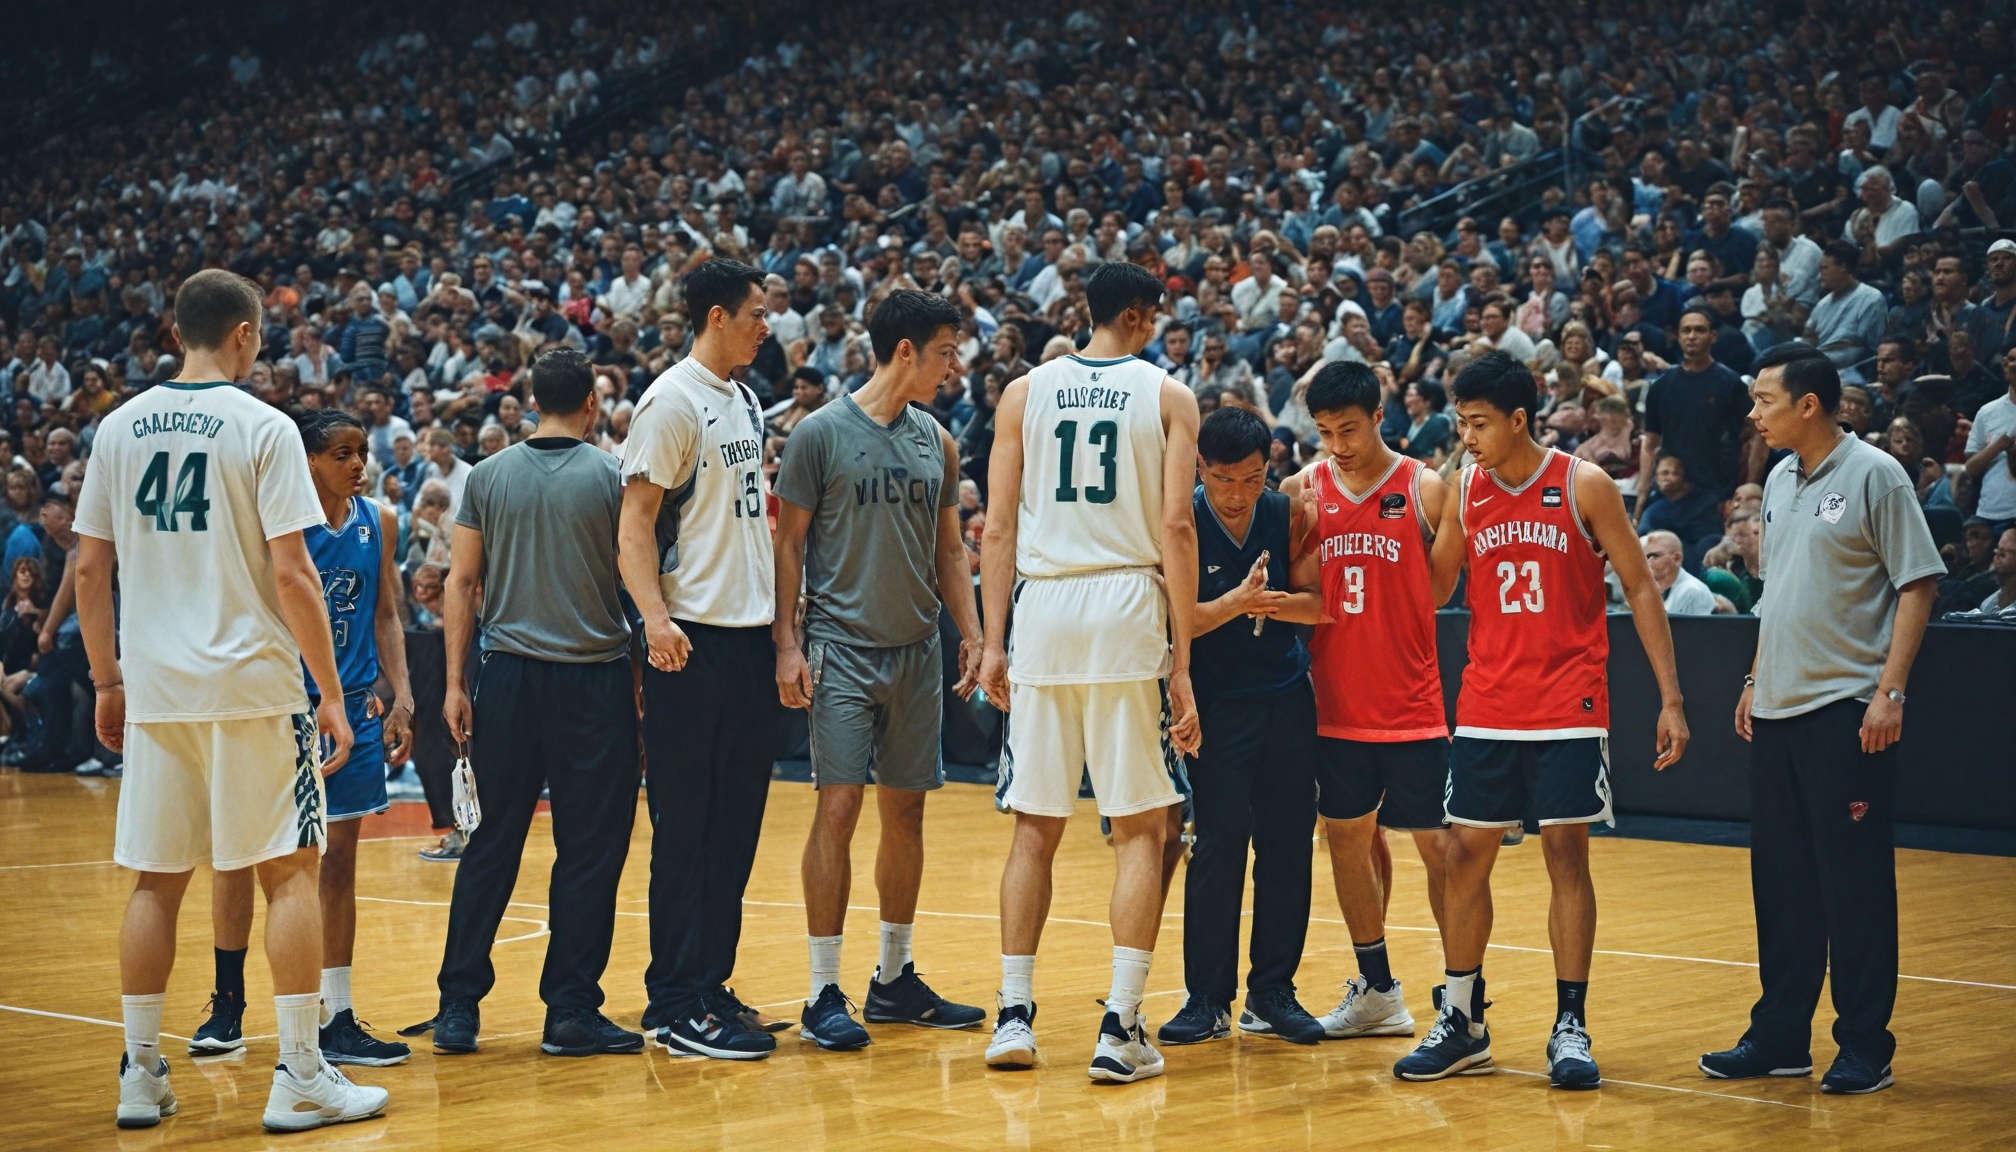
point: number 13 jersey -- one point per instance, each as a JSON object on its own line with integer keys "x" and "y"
{"x": 1539, "y": 643}
{"x": 189, "y": 482}
{"x": 1092, "y": 442}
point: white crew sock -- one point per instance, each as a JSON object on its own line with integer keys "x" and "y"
{"x": 825, "y": 963}
{"x": 1130, "y": 983}
{"x": 335, "y": 992}
{"x": 895, "y": 951}
{"x": 143, "y": 1030}
{"x": 300, "y": 1032}
{"x": 1461, "y": 993}
{"x": 1018, "y": 980}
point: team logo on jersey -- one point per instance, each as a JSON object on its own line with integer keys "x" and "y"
{"x": 1330, "y": 509}
{"x": 1858, "y": 809}
{"x": 1392, "y": 506}
{"x": 1832, "y": 505}
{"x": 1550, "y": 497}
{"x": 1588, "y": 704}
{"x": 364, "y": 531}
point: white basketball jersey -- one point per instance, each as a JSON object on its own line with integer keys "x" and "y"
{"x": 1092, "y": 444}
{"x": 701, "y": 438}
{"x": 189, "y": 482}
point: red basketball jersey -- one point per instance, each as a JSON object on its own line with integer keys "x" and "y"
{"x": 1538, "y": 639}
{"x": 1373, "y": 661}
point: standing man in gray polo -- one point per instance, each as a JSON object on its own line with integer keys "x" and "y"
{"x": 1852, "y": 574}
{"x": 868, "y": 527}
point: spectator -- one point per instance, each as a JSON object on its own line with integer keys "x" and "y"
{"x": 1685, "y": 595}
{"x": 1730, "y": 567}
{"x": 1699, "y": 412}
{"x": 1676, "y": 505}
{"x": 1430, "y": 437}
{"x": 1850, "y": 316}
{"x": 2001, "y": 603}
{"x": 426, "y": 602}
{"x": 1990, "y": 463}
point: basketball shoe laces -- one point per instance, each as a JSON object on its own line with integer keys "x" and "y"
{"x": 1570, "y": 1041}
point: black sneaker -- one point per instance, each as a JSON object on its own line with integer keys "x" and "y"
{"x": 1747, "y": 1061}
{"x": 908, "y": 1000}
{"x": 1284, "y": 1016}
{"x": 755, "y": 1021}
{"x": 345, "y": 1041}
{"x": 1569, "y": 1064}
{"x": 1201, "y": 1019}
{"x": 1449, "y": 1050}
{"x": 223, "y": 1032}
{"x": 585, "y": 1032}
{"x": 456, "y": 1026}
{"x": 829, "y": 1022}
{"x": 703, "y": 1031}
{"x": 1851, "y": 1075}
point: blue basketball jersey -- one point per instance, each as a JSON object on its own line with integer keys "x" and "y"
{"x": 349, "y": 559}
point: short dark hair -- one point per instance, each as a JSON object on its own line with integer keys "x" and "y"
{"x": 1781, "y": 204}
{"x": 1432, "y": 394}
{"x": 320, "y": 425}
{"x": 1843, "y": 253}
{"x": 1907, "y": 348}
{"x": 1500, "y": 381}
{"x": 1113, "y": 288}
{"x": 910, "y": 315}
{"x": 212, "y": 303}
{"x": 1805, "y": 370}
{"x": 562, "y": 380}
{"x": 718, "y": 282}
{"x": 1343, "y": 384}
{"x": 1230, "y": 435}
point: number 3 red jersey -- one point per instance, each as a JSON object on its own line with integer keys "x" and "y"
{"x": 1539, "y": 643}
{"x": 1373, "y": 661}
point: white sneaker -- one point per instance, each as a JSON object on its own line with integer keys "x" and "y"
{"x": 144, "y": 1097}
{"x": 1014, "y": 1045}
{"x": 1365, "y": 1011}
{"x": 328, "y": 1097}
{"x": 1124, "y": 1055}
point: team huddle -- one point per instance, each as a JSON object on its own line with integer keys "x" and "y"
{"x": 1144, "y": 599}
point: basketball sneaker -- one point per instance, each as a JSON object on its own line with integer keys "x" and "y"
{"x": 456, "y": 1025}
{"x": 1851, "y": 1075}
{"x": 1124, "y": 1055}
{"x": 1747, "y": 1061}
{"x": 1454, "y": 1047}
{"x": 223, "y": 1031}
{"x": 751, "y": 1019}
{"x": 908, "y": 1000}
{"x": 144, "y": 1097}
{"x": 1014, "y": 1044}
{"x": 1366, "y": 1011}
{"x": 327, "y": 1097}
{"x": 1569, "y": 1064}
{"x": 829, "y": 1022}
{"x": 1276, "y": 1012}
{"x": 586, "y": 1032}
{"x": 705, "y": 1030}
{"x": 345, "y": 1041}
{"x": 449, "y": 850}
{"x": 1201, "y": 1019}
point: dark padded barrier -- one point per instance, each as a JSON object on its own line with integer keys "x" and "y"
{"x": 1959, "y": 751}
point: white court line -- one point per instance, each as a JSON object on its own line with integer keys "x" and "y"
{"x": 542, "y": 929}
{"x": 65, "y": 864}
{"x": 1683, "y": 959}
{"x": 79, "y": 1019}
{"x": 1608, "y": 1081}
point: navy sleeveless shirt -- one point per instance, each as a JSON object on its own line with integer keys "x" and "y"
{"x": 1230, "y": 661}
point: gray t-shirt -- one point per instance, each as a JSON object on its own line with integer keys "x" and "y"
{"x": 874, "y": 491}
{"x": 1837, "y": 545}
{"x": 547, "y": 509}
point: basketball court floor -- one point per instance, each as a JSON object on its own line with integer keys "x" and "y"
{"x": 1674, "y": 976}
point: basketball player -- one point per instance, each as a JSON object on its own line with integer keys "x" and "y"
{"x": 200, "y": 492}
{"x": 1383, "y": 738}
{"x": 873, "y": 481}
{"x": 1257, "y": 785}
{"x": 355, "y": 551}
{"x": 696, "y": 556}
{"x": 1533, "y": 719}
{"x": 1094, "y": 456}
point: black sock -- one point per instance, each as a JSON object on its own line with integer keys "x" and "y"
{"x": 1374, "y": 965}
{"x": 231, "y": 973}
{"x": 1571, "y": 996}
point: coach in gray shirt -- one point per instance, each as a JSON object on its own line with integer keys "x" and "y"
{"x": 535, "y": 555}
{"x": 869, "y": 516}
{"x": 1852, "y": 574}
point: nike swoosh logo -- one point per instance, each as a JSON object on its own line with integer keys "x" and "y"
{"x": 711, "y": 420}
{"x": 1484, "y": 500}
{"x": 1210, "y": 568}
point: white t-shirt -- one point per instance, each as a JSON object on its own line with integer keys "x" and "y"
{"x": 1689, "y": 596}
{"x": 189, "y": 482}
{"x": 1998, "y": 488}
{"x": 701, "y": 438}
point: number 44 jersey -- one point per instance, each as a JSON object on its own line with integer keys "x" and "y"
{"x": 1539, "y": 644}
{"x": 189, "y": 482}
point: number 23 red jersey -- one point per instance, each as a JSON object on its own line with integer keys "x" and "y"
{"x": 1539, "y": 642}
{"x": 1373, "y": 661}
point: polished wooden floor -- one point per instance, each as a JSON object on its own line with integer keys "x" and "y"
{"x": 1673, "y": 978}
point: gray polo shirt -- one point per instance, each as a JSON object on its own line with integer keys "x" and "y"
{"x": 874, "y": 491}
{"x": 547, "y": 509}
{"x": 1836, "y": 547}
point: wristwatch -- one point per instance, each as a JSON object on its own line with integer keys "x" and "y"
{"x": 1896, "y": 695}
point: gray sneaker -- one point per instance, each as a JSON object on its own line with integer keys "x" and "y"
{"x": 450, "y": 849}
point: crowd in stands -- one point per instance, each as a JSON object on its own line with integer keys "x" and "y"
{"x": 430, "y": 201}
